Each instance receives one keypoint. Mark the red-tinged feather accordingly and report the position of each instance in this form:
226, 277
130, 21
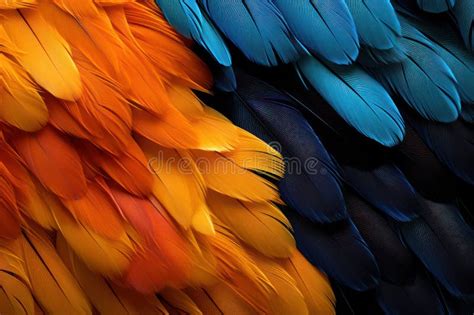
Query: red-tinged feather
54, 161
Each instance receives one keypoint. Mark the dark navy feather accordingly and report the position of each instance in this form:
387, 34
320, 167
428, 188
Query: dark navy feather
187, 18
325, 28
376, 22
452, 143
386, 188
445, 244
310, 185
463, 13
358, 98
423, 80
257, 28
338, 249
418, 297
436, 6
395, 261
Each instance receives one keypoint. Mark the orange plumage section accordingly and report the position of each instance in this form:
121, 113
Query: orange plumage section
117, 183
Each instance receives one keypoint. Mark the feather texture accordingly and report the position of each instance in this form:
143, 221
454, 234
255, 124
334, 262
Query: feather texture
358, 98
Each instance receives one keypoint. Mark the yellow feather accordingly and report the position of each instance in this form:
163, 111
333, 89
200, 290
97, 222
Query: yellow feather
16, 4
313, 284
22, 105
106, 297
53, 286
43, 52
180, 301
261, 225
109, 257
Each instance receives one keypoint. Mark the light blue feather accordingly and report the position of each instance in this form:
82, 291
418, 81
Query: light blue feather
423, 80
324, 27
360, 100
187, 18
257, 28
463, 13
376, 22
436, 6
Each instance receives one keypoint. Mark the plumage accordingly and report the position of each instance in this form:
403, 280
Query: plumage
324, 28
358, 98
464, 17
376, 22
267, 38
436, 6
423, 80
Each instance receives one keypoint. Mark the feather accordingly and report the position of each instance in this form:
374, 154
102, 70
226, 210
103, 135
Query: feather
105, 296
266, 39
187, 18
423, 80
436, 6
395, 261
445, 244
9, 212
371, 57
386, 188
22, 105
337, 249
324, 28
181, 301
110, 257
376, 22
53, 286
53, 160
15, 296
358, 98
107, 221
31, 33
313, 284
258, 107
17, 4
412, 298
450, 47
261, 225
453, 144
463, 13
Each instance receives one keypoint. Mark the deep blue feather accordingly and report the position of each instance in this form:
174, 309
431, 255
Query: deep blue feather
386, 188
423, 80
257, 28
310, 185
445, 244
338, 249
376, 22
463, 13
187, 18
358, 98
436, 6
324, 27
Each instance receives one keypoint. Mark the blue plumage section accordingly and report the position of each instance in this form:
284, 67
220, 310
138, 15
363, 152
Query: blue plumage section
257, 28
358, 98
376, 22
338, 249
424, 80
463, 13
187, 18
386, 188
310, 185
436, 6
445, 244
325, 28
